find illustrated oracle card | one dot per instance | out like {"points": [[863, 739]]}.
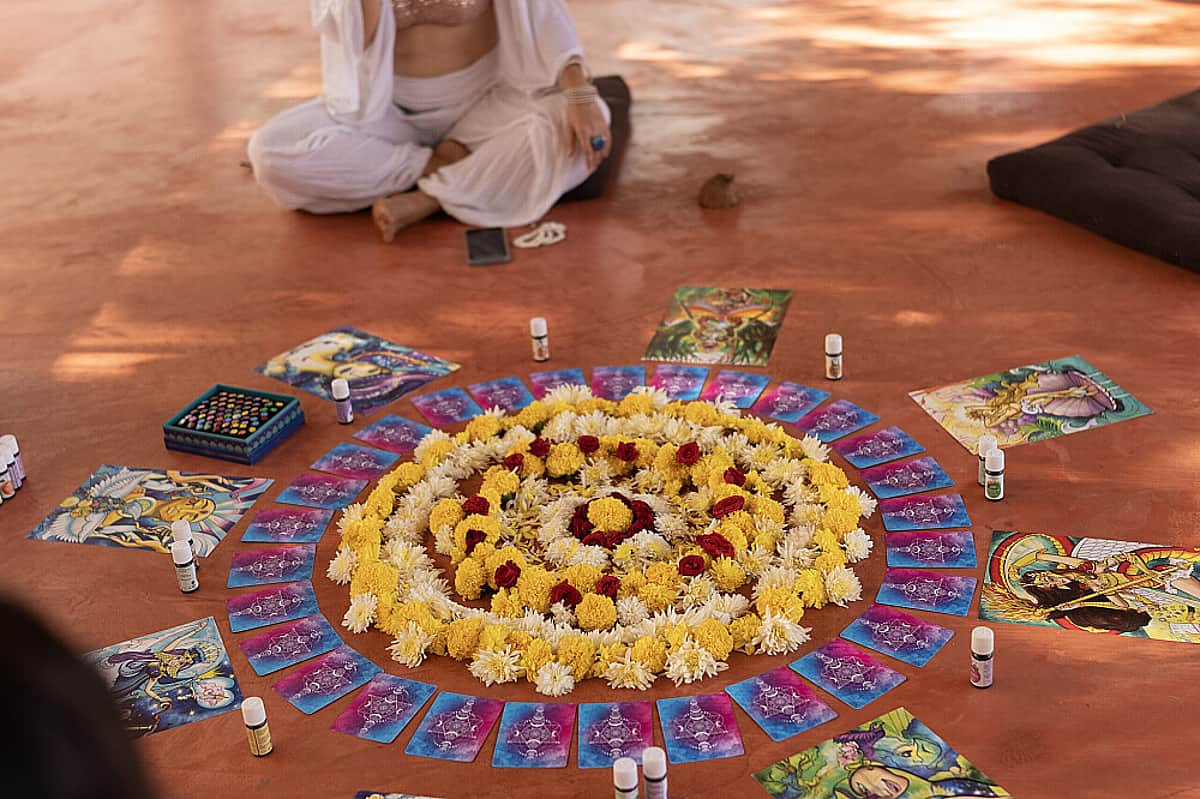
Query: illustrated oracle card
{"points": [[378, 371], [325, 680], [290, 644], [508, 394], [534, 735], [609, 731], [1029, 403], [680, 382], [890, 757], [699, 728], [787, 402], [394, 433], [848, 673], [617, 382], [165, 679], [272, 605], [273, 565], [873, 449], [924, 590], [718, 325], [543, 382], [924, 513], [837, 419], [120, 506], [384, 708], [321, 491], [446, 407], [907, 477], [288, 525], [932, 549], [455, 727], [740, 388], [780, 703], [355, 462], [895, 633]]}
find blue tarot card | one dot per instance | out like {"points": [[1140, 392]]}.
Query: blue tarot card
{"points": [[273, 565], [898, 634], [787, 402], [544, 382], [925, 590], [780, 703], [848, 673], [288, 526], [384, 708], [609, 731], [680, 382], [617, 382], [906, 477], [395, 434], [534, 735], [455, 727], [837, 419], [290, 644], [879, 447], [326, 491], [740, 388], [273, 605], [699, 728], [355, 462], [924, 513], [326, 679], [446, 407], [933, 549], [508, 394]]}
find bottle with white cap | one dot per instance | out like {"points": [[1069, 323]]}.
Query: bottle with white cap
{"points": [[983, 646], [654, 766], [993, 479], [10, 441], [986, 444], [8, 486], [182, 531], [8, 460], [340, 388], [625, 778], [185, 566], [833, 357], [258, 733], [539, 334]]}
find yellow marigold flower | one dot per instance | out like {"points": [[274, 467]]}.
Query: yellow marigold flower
{"points": [[721, 489], [493, 636], [596, 404], [840, 521], [501, 481], [828, 561], [387, 617], [596, 612], [700, 471], [767, 539], [727, 574], [438, 645], [743, 630], [713, 636], [772, 599], [375, 577], [734, 534], [380, 503], [507, 604], [462, 638], [564, 458], [533, 414], [406, 475], [446, 512], [650, 652], [674, 635], [436, 453], [664, 573], [480, 555], [483, 427], [827, 541], [583, 576], [701, 413], [609, 514], [469, 579], [767, 508], [366, 554], [519, 639], [534, 585], [634, 404], [578, 654], [656, 596], [607, 654], [823, 473], [837, 497], [488, 525], [537, 654], [363, 533], [532, 466], [461, 438], [810, 585], [630, 584], [755, 483]]}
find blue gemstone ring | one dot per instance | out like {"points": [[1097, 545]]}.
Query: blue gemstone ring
{"points": [[598, 143]]}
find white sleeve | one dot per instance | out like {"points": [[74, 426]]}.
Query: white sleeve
{"points": [[358, 80], [537, 39]]}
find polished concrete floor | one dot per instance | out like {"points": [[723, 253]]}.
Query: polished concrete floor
{"points": [[139, 264]]}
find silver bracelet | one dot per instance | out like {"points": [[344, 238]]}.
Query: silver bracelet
{"points": [[581, 95]]}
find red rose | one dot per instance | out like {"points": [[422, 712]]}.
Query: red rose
{"points": [[734, 476], [617, 537], [716, 545], [691, 565], [595, 539], [728, 506], [643, 516], [620, 496], [565, 593], [474, 539], [608, 586], [477, 504], [539, 447], [506, 575], [588, 444], [580, 526], [688, 454], [513, 461], [627, 452]]}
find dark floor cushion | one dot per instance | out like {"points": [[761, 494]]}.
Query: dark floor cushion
{"points": [[1134, 179], [615, 92]]}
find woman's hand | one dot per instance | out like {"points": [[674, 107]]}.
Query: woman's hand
{"points": [[584, 123]]}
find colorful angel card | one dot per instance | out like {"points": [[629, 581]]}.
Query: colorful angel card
{"points": [[544, 382], [699, 728], [394, 433], [273, 565], [1029, 403], [273, 605], [288, 525], [121, 506], [170, 678], [848, 673], [907, 477], [290, 644], [882, 446], [617, 382], [924, 513], [321, 491], [893, 757], [925, 590], [378, 371], [455, 727], [898, 634], [680, 382], [355, 462], [717, 325], [446, 407], [325, 680], [740, 388], [932, 549], [609, 731], [837, 419], [508, 394], [787, 402], [780, 703], [384, 708], [534, 735]]}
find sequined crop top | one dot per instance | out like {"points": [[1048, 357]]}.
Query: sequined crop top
{"points": [[437, 12]]}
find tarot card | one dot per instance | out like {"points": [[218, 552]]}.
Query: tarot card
{"points": [[848, 673], [895, 633], [1029, 403], [395, 434], [718, 325], [163, 680], [455, 727], [290, 644], [924, 513], [780, 703], [699, 728], [609, 731], [385, 795], [617, 382], [924, 590], [891, 756], [907, 477], [274, 565], [933, 549], [383, 709], [121, 506], [740, 388], [543, 382], [837, 419], [787, 402], [379, 371], [680, 382], [325, 680], [355, 462], [534, 735], [446, 407], [288, 525], [272, 605], [321, 491], [508, 394], [873, 449]]}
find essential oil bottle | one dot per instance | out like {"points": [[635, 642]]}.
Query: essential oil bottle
{"points": [[258, 733], [993, 486], [539, 336], [833, 357], [982, 650]]}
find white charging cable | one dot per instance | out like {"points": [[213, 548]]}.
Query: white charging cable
{"points": [[543, 235]]}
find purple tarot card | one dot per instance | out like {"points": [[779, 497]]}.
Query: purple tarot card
{"points": [[326, 679], [383, 709], [895, 633], [455, 727], [680, 382], [907, 477], [617, 382], [925, 590], [924, 513], [543, 382], [780, 703], [534, 735], [878, 447], [446, 407], [355, 462], [290, 644], [609, 731], [274, 565], [321, 491], [838, 418], [508, 394], [288, 525], [272, 605], [395, 434], [848, 673], [787, 402], [740, 388], [933, 549], [699, 728]]}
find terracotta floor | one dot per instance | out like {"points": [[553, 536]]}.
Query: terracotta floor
{"points": [[140, 265]]}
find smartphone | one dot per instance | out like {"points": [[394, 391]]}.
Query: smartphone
{"points": [[487, 246]]}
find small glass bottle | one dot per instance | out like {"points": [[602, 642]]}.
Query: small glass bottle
{"points": [[539, 336], [654, 767], [340, 389], [8, 459], [11, 442], [8, 489], [185, 567], [182, 531], [987, 443], [833, 357], [625, 778], [258, 733], [993, 486], [982, 649]]}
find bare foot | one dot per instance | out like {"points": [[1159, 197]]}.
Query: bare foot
{"points": [[445, 153], [401, 210]]}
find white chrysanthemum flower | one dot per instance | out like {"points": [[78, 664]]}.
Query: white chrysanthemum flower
{"points": [[784, 472], [495, 666], [562, 614], [779, 635], [649, 481], [812, 447], [561, 551], [341, 568], [595, 474], [361, 614], [709, 438], [807, 515], [842, 586], [761, 456], [779, 575], [350, 515], [737, 444], [690, 662], [858, 545], [592, 424], [865, 501], [696, 591], [796, 553], [591, 555], [727, 607], [560, 428], [569, 393], [631, 611], [428, 441], [443, 540], [671, 527], [650, 546], [409, 646], [727, 407], [699, 500], [629, 673], [555, 679], [755, 560], [658, 396], [799, 494], [677, 431]]}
